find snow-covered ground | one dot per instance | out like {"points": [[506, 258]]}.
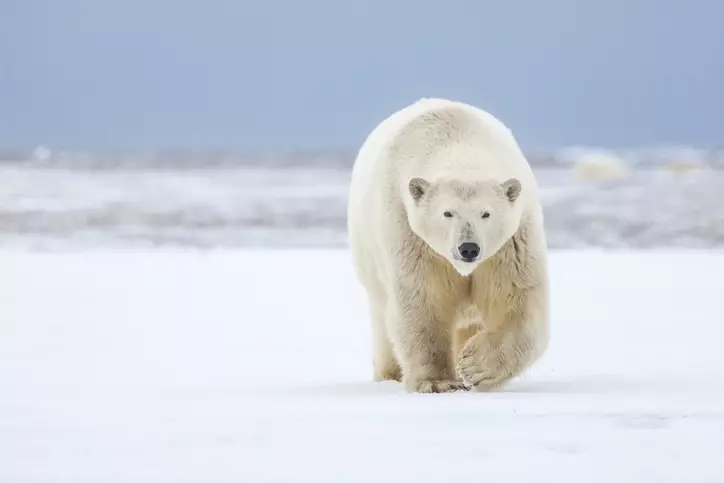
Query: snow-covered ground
{"points": [[601, 204], [253, 366]]}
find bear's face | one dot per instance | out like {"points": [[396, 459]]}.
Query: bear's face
{"points": [[464, 221]]}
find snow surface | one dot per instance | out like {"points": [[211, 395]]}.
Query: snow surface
{"points": [[242, 206], [254, 366]]}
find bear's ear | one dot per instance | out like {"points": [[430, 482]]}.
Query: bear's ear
{"points": [[418, 187], [511, 189]]}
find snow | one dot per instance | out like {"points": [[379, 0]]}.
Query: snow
{"points": [[253, 366], [51, 207]]}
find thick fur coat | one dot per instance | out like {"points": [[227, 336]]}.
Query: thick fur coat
{"points": [[446, 232]]}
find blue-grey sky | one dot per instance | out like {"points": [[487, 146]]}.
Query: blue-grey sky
{"points": [[280, 75]]}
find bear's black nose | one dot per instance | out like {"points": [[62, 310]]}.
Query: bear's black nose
{"points": [[469, 251]]}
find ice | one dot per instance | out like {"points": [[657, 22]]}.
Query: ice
{"points": [[590, 199], [254, 366]]}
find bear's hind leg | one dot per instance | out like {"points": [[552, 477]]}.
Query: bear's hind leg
{"points": [[386, 367]]}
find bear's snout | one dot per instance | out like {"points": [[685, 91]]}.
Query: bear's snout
{"points": [[469, 251]]}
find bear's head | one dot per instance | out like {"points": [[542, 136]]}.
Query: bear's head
{"points": [[464, 221]]}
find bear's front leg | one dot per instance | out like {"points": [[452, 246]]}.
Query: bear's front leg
{"points": [[506, 347], [422, 341]]}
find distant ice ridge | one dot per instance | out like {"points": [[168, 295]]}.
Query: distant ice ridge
{"points": [[44, 156], [592, 198]]}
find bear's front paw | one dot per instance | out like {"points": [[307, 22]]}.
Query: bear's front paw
{"points": [[482, 368], [434, 386]]}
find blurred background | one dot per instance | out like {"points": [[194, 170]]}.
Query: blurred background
{"points": [[221, 124]]}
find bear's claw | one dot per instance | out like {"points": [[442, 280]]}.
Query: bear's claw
{"points": [[479, 371], [437, 386]]}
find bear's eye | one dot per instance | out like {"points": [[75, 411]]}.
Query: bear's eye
{"points": [[485, 215], [447, 214]]}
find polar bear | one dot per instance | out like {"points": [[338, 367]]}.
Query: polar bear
{"points": [[445, 228]]}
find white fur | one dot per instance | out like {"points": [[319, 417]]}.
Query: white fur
{"points": [[440, 323]]}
